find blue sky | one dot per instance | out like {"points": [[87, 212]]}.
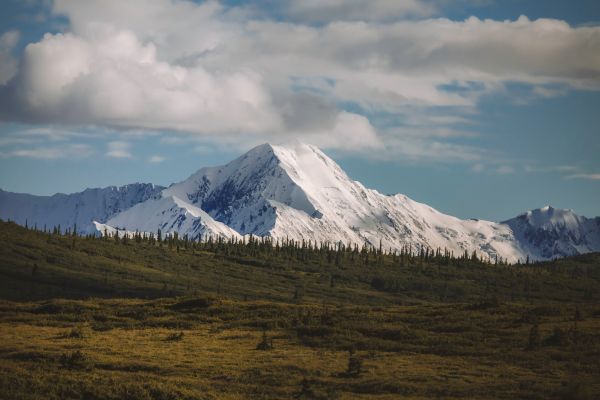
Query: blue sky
{"points": [[478, 108]]}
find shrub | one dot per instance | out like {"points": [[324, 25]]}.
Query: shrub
{"points": [[378, 283], [76, 333], [191, 304], [486, 303], [75, 360], [559, 337], [577, 316], [101, 326], [174, 337], [265, 343], [546, 311], [355, 365], [576, 389], [306, 391]]}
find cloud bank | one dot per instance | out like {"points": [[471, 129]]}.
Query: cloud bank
{"points": [[326, 72]]}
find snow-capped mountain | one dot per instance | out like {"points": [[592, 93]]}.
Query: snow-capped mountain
{"points": [[80, 209], [549, 232], [297, 192]]}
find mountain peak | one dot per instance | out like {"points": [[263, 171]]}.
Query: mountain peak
{"points": [[549, 232], [264, 148], [295, 191], [294, 148], [549, 216]]}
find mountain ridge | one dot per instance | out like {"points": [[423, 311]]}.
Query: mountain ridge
{"points": [[80, 208], [298, 192]]}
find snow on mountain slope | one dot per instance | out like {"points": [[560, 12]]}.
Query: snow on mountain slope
{"points": [[549, 232], [80, 208], [366, 216], [239, 193], [297, 192], [170, 214]]}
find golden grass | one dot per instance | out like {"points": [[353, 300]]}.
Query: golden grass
{"points": [[218, 360]]}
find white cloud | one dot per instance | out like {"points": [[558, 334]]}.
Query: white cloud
{"points": [[551, 169], [592, 177], [389, 66], [11, 140], [348, 133], [478, 167], [52, 153], [114, 79], [214, 72], [181, 30], [118, 149], [49, 133], [505, 170], [174, 140], [9, 39], [156, 159], [39, 136], [203, 149], [423, 150]]}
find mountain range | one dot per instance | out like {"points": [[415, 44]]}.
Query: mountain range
{"points": [[298, 192]]}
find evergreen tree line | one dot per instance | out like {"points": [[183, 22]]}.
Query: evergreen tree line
{"points": [[302, 250]]}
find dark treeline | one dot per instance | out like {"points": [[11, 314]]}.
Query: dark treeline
{"points": [[156, 265], [302, 250]]}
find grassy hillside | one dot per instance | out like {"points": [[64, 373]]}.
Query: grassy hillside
{"points": [[97, 319], [36, 266]]}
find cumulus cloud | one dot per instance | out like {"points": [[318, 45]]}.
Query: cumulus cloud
{"points": [[119, 149], [331, 75], [389, 66], [115, 79], [348, 133]]}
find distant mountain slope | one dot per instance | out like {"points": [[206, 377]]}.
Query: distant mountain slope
{"points": [[549, 232], [81, 208], [297, 192]]}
